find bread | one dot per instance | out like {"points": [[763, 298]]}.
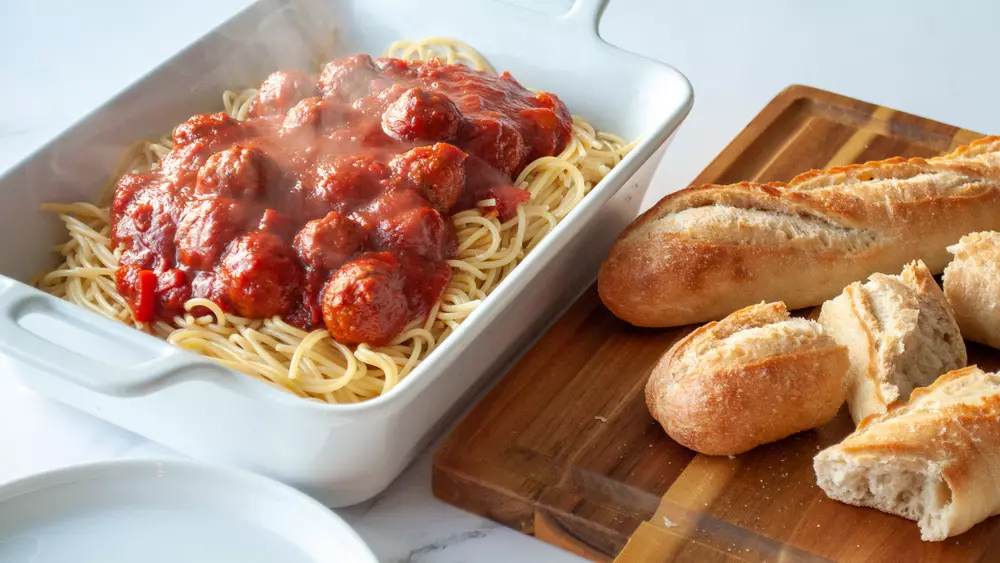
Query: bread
{"points": [[972, 286], [900, 333], [934, 460], [703, 252], [754, 377]]}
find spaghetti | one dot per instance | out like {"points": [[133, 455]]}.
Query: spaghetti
{"points": [[311, 364]]}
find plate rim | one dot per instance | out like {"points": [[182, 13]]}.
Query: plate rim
{"points": [[233, 477]]}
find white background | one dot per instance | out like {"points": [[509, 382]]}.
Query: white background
{"points": [[61, 58]]}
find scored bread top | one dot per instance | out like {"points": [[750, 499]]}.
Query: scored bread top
{"points": [[935, 422], [721, 223], [704, 252], [748, 336], [754, 377], [850, 197]]}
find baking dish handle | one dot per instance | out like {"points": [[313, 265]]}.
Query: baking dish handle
{"points": [[585, 15], [167, 364]]}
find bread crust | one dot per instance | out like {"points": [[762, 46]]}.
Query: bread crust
{"points": [[972, 286], [704, 252], [754, 377], [949, 433]]}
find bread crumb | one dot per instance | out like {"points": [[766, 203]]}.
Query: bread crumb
{"points": [[669, 523], [601, 418], [731, 456]]}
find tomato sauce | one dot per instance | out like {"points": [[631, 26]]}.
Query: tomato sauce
{"points": [[330, 205]]}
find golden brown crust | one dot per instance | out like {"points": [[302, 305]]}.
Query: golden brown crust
{"points": [[678, 264], [754, 377]]}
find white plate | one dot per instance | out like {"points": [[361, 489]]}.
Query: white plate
{"points": [[153, 511]]}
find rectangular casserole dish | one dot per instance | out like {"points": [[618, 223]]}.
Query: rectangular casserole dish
{"points": [[342, 454]]}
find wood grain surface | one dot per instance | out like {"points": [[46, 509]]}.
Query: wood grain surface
{"points": [[563, 447]]}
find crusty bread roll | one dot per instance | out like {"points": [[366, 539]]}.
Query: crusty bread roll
{"points": [[703, 252], [751, 378], [972, 286], [934, 460], [900, 333]]}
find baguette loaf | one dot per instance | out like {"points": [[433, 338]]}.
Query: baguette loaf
{"points": [[704, 252], [900, 332], [935, 460], [972, 286], [754, 377]]}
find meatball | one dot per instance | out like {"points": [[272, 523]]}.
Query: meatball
{"points": [[393, 68], [328, 242], [551, 125], [205, 284], [280, 91], [126, 189], [181, 165], [214, 127], [348, 78], [341, 182], [421, 115], [436, 171], [260, 274], [496, 140], [238, 172], [312, 115], [375, 104], [419, 231], [147, 227], [205, 228], [364, 301], [549, 134], [389, 204]]}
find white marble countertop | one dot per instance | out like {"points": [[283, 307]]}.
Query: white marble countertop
{"points": [[61, 58]]}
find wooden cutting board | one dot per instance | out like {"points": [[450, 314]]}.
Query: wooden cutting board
{"points": [[563, 447]]}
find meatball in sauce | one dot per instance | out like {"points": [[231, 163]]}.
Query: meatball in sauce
{"points": [[330, 205]]}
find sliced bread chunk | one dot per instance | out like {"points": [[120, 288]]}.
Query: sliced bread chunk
{"points": [[900, 332], [933, 460]]}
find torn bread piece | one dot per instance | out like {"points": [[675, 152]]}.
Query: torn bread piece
{"points": [[972, 286], [901, 334], [754, 377], [933, 460]]}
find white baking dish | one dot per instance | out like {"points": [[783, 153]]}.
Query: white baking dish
{"points": [[342, 454]]}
